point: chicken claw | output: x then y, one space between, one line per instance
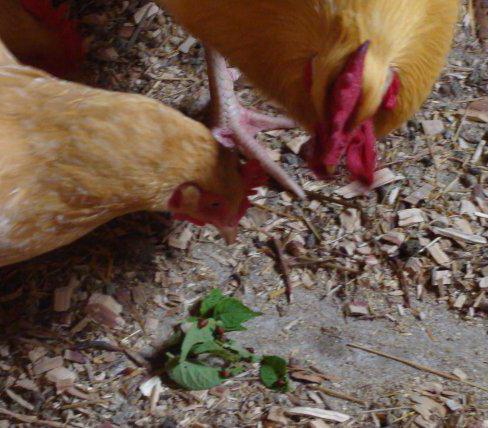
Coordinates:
234 125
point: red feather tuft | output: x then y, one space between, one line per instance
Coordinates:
57 21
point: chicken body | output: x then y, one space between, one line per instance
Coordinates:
296 50
73 157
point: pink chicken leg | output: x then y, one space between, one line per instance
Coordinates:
234 125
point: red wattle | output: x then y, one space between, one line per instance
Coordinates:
361 153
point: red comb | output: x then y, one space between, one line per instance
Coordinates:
345 96
335 137
57 21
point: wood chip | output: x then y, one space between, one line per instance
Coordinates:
484 283
356 188
478 110
432 127
357 310
420 194
27 384
397 238
450 232
45 364
105 310
62 377
147 11
37 353
460 374
187 44
454 406
296 143
63 295
441 277
439 255
410 216
19 400
327 415
467 207
277 414
479 152
147 387
350 220
460 301
317 423
182 240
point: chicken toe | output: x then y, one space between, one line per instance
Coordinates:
234 125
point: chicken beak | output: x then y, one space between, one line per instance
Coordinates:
229 234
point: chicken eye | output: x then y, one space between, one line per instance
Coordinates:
215 204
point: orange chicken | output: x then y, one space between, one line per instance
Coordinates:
348 70
42 36
74 157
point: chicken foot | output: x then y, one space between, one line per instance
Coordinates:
234 125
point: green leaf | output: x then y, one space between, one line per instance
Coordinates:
233 313
195 336
234 371
243 353
214 348
274 373
209 302
194 376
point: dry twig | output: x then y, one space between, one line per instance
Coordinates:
417 366
283 266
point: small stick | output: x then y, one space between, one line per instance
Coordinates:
400 273
283 265
417 366
312 228
138 30
330 199
32 419
277 212
325 264
82 404
386 409
341 395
